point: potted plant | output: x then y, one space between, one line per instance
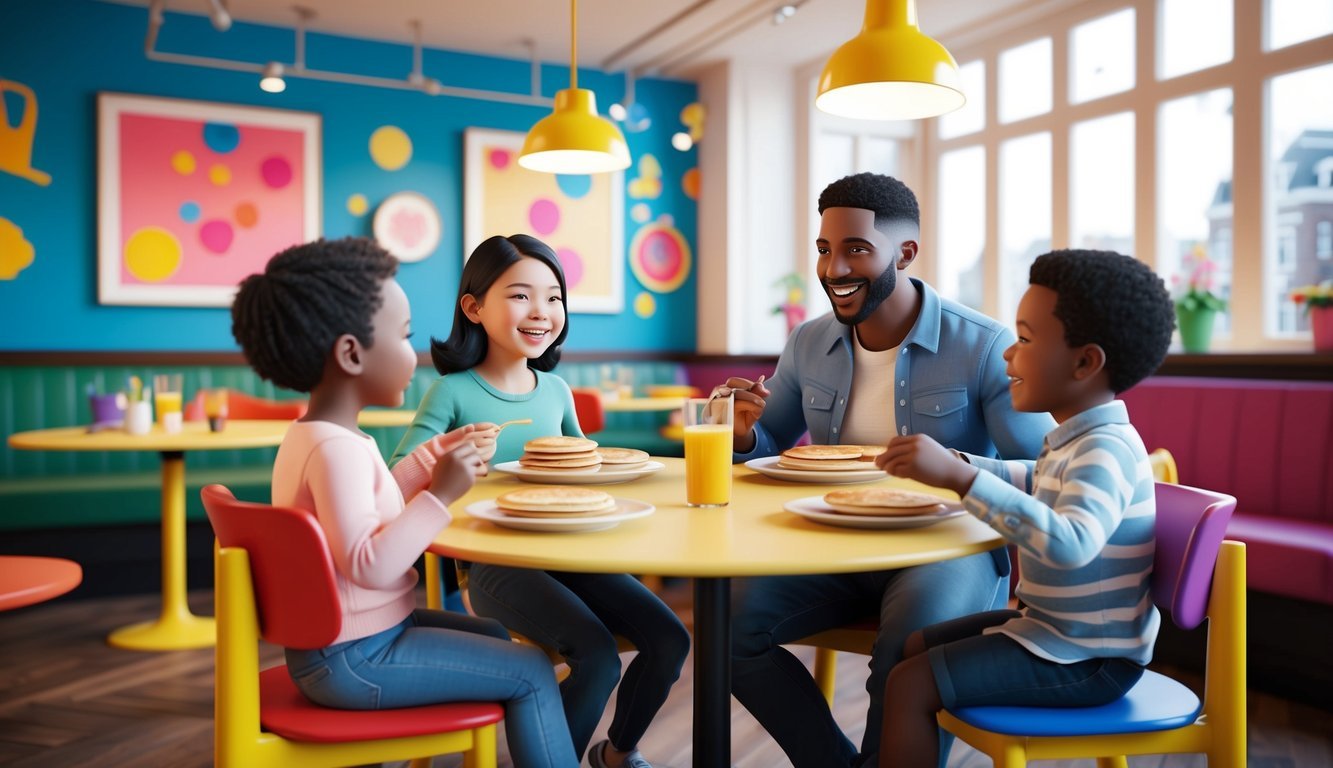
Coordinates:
1196 304
793 304
1318 301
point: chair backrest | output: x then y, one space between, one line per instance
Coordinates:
245 406
588 408
295 591
1191 524
1163 466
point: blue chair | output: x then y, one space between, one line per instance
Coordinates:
1196 575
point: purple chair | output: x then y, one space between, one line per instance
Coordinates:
1196 575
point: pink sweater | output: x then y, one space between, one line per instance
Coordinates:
374 537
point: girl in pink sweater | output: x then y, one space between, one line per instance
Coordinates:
328 318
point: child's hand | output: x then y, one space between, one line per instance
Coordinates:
484 438
749 398
456 470
920 458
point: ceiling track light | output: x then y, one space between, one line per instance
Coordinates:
274 72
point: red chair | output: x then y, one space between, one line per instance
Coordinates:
588 408
275 579
243 406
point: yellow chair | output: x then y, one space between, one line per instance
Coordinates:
1196 575
273 569
1163 466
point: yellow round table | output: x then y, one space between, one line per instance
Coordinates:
176 628
642 404
385 417
753 536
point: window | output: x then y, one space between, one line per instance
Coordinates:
1101 183
1196 34
1194 185
838 153
1025 214
971 117
1025 81
1103 57
1144 163
962 225
1295 21
1300 151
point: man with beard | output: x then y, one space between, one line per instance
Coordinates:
891 358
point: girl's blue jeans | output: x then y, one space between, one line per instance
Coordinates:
579 614
435 657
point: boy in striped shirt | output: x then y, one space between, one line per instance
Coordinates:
1091 325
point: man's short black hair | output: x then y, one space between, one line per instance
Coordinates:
287 317
889 198
1114 301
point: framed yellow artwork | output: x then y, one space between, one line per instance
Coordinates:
580 217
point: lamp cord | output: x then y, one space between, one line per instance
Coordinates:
573 44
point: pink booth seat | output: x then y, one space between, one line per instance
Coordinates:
1269 444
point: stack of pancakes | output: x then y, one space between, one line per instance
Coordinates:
830 458
622 459
557 501
578 454
883 502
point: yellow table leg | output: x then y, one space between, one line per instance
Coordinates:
176 628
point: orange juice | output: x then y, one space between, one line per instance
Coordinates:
166 402
708 465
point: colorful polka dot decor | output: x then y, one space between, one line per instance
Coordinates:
645 305
648 184
16 253
660 256
689 183
204 194
357 205
390 147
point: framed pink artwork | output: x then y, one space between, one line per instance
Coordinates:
193 196
580 217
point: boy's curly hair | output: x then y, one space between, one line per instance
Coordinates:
1114 301
889 198
287 317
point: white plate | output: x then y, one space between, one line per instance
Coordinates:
769 466
626 509
603 475
814 508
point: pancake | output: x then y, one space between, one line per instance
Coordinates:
623 458
884 502
560 461
869 452
559 444
823 452
564 499
826 465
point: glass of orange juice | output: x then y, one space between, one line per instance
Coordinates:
167 400
708 451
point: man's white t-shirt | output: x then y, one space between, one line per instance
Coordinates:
870 417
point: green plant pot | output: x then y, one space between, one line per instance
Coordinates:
1196 328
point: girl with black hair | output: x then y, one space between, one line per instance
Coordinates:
509 324
328 318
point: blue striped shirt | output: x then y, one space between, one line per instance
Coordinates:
1084 535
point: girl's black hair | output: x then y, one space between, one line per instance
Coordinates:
287 318
467 342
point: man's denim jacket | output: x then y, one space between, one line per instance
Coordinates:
950 384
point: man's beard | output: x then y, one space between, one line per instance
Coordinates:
877 291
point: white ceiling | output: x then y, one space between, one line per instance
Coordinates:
614 35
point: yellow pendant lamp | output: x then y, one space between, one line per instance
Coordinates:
891 71
574 138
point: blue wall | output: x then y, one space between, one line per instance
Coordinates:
69 50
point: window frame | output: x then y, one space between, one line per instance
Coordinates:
1254 230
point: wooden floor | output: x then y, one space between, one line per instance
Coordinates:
68 699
